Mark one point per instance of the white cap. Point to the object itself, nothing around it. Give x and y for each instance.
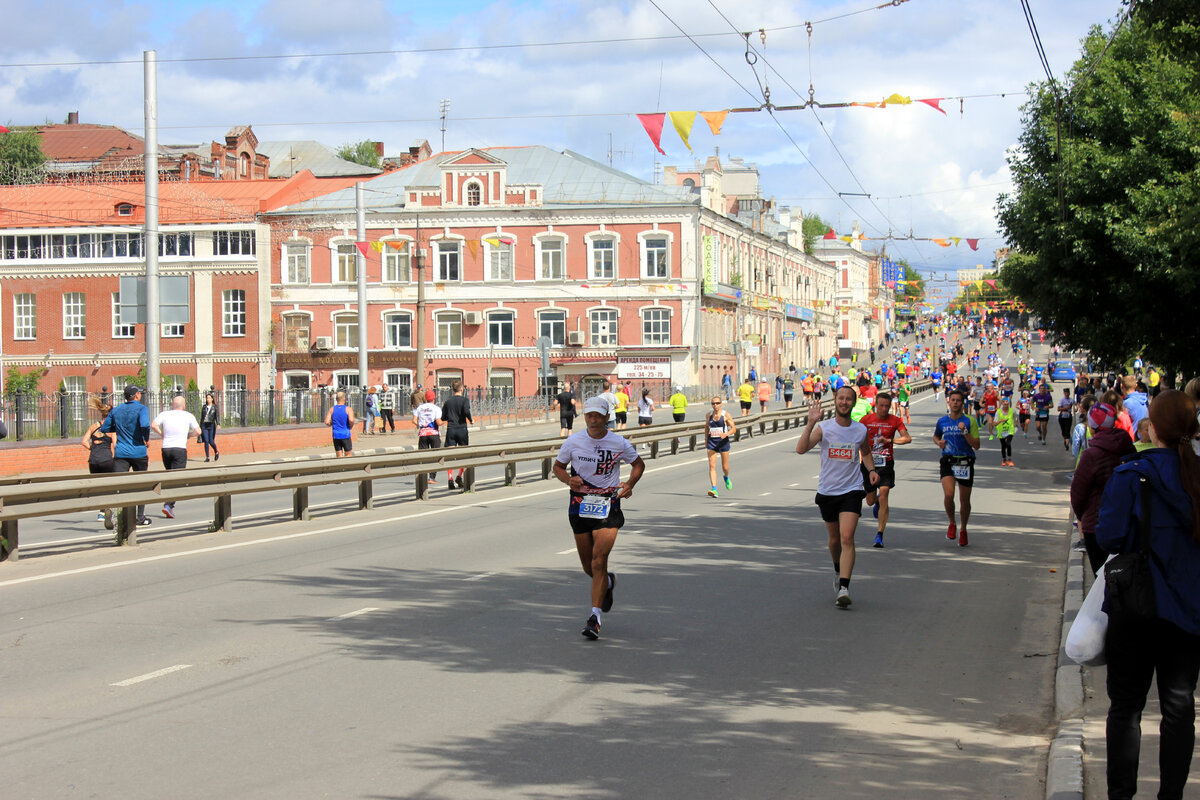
(596, 405)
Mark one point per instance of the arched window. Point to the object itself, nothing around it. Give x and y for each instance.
(474, 193)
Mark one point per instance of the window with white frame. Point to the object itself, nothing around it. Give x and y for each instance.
(120, 331)
(397, 264)
(604, 258)
(295, 262)
(345, 268)
(656, 250)
(447, 268)
(233, 243)
(550, 259)
(174, 383)
(500, 328)
(656, 326)
(296, 330)
(474, 193)
(449, 328)
(74, 315)
(121, 245)
(75, 389)
(399, 381)
(603, 327)
(397, 331)
(172, 330)
(233, 312)
(499, 260)
(501, 383)
(345, 331)
(446, 377)
(175, 245)
(553, 325)
(25, 316)
(345, 380)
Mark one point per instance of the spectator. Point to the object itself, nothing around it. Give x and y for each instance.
(1107, 447)
(130, 421)
(370, 411)
(1134, 400)
(387, 406)
(779, 387)
(210, 420)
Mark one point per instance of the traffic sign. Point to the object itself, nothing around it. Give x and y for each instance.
(789, 335)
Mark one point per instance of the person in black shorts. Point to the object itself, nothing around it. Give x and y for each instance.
(566, 409)
(456, 413)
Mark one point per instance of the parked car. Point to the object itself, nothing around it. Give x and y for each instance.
(1063, 371)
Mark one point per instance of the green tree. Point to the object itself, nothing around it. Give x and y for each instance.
(363, 152)
(1105, 217)
(17, 382)
(813, 228)
(21, 157)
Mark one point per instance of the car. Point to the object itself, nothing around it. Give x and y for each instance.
(1063, 371)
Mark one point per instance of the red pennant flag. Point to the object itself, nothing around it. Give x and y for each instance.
(830, 235)
(933, 101)
(653, 123)
(3, 129)
(363, 247)
(973, 244)
(990, 283)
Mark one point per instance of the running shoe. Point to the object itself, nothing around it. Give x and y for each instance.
(878, 540)
(712, 492)
(962, 538)
(99, 516)
(875, 509)
(592, 629)
(168, 512)
(606, 605)
(843, 597)
(1079, 545)
(952, 532)
(143, 522)
(109, 518)
(458, 481)
(728, 484)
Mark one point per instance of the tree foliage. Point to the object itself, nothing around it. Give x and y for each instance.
(813, 228)
(27, 383)
(1105, 217)
(363, 152)
(21, 156)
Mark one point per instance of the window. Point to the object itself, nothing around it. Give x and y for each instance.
(235, 397)
(120, 331)
(447, 262)
(396, 263)
(172, 330)
(397, 331)
(446, 377)
(551, 259)
(500, 328)
(474, 193)
(604, 327)
(346, 380)
(174, 383)
(233, 243)
(656, 326)
(25, 316)
(175, 244)
(345, 331)
(500, 260)
(124, 210)
(501, 383)
(449, 329)
(604, 258)
(295, 258)
(553, 325)
(295, 333)
(656, 257)
(345, 256)
(75, 388)
(74, 316)
(119, 245)
(233, 312)
(400, 381)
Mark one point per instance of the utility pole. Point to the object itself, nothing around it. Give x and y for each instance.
(360, 274)
(445, 110)
(153, 380)
(419, 367)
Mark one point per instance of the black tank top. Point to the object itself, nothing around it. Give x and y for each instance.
(100, 454)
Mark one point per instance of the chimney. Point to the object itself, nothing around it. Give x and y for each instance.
(73, 118)
(378, 148)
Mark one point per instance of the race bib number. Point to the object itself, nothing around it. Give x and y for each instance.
(962, 472)
(594, 506)
(841, 452)
(880, 460)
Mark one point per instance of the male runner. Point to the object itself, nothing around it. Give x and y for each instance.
(175, 427)
(840, 485)
(745, 394)
(991, 402)
(566, 402)
(884, 430)
(456, 413)
(902, 400)
(1042, 400)
(594, 456)
(958, 437)
(340, 418)
(935, 378)
(622, 407)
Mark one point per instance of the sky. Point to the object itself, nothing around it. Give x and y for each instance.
(381, 71)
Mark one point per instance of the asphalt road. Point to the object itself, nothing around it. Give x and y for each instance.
(432, 650)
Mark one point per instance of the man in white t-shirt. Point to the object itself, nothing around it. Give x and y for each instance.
(594, 457)
(840, 486)
(174, 426)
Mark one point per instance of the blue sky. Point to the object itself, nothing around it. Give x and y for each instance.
(937, 175)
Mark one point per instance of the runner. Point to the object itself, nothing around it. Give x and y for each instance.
(745, 394)
(991, 401)
(764, 394)
(1066, 407)
(884, 431)
(935, 378)
(175, 426)
(840, 485)
(902, 400)
(594, 456)
(1005, 428)
(957, 435)
(566, 409)
(456, 413)
(719, 426)
(789, 390)
(622, 407)
(1023, 407)
(645, 410)
(679, 404)
(1042, 401)
(340, 418)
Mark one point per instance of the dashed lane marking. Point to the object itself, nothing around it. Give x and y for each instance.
(151, 675)
(352, 614)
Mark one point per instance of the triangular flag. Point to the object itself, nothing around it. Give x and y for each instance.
(473, 246)
(956, 240)
(715, 120)
(940, 242)
(363, 247)
(493, 241)
(830, 235)
(973, 244)
(846, 238)
(683, 120)
(653, 123)
(898, 99)
(979, 285)
(3, 129)
(990, 283)
(933, 102)
(377, 247)
(401, 246)
(867, 105)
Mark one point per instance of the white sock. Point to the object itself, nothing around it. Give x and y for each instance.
(597, 613)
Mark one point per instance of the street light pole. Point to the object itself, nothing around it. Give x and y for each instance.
(419, 367)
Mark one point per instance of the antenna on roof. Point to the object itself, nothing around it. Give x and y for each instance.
(623, 153)
(445, 110)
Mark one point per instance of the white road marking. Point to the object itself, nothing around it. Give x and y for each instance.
(731, 505)
(691, 516)
(350, 614)
(151, 675)
(480, 577)
(566, 552)
(765, 494)
(792, 485)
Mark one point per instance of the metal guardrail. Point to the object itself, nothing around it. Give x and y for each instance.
(48, 495)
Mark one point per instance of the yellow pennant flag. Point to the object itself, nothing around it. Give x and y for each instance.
(494, 242)
(473, 246)
(956, 240)
(683, 120)
(898, 99)
(979, 285)
(715, 120)
(377, 246)
(846, 238)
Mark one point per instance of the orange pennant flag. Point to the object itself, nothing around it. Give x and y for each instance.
(401, 246)
(473, 246)
(940, 242)
(715, 120)
(683, 121)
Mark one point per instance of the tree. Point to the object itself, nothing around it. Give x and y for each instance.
(1105, 217)
(363, 152)
(813, 228)
(21, 157)
(27, 383)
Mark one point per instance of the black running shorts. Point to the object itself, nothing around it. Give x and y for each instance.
(946, 469)
(887, 476)
(833, 506)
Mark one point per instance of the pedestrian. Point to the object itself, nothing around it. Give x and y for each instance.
(210, 420)
(727, 385)
(753, 374)
(778, 387)
(764, 394)
(567, 409)
(718, 426)
(456, 413)
(387, 408)
(789, 389)
(130, 421)
(679, 404)
(957, 435)
(100, 451)
(175, 425)
(370, 411)
(884, 431)
(426, 417)
(594, 456)
(1163, 483)
(340, 419)
(1103, 455)
(844, 449)
(645, 410)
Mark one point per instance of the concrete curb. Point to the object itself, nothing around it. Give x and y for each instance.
(1064, 766)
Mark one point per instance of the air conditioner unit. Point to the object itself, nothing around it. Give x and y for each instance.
(472, 318)
(576, 337)
(323, 343)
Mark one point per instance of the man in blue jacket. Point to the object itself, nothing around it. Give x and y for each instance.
(1135, 399)
(131, 422)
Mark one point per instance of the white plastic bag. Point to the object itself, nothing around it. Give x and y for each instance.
(1085, 640)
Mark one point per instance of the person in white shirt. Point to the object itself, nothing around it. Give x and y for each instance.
(174, 425)
(426, 417)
